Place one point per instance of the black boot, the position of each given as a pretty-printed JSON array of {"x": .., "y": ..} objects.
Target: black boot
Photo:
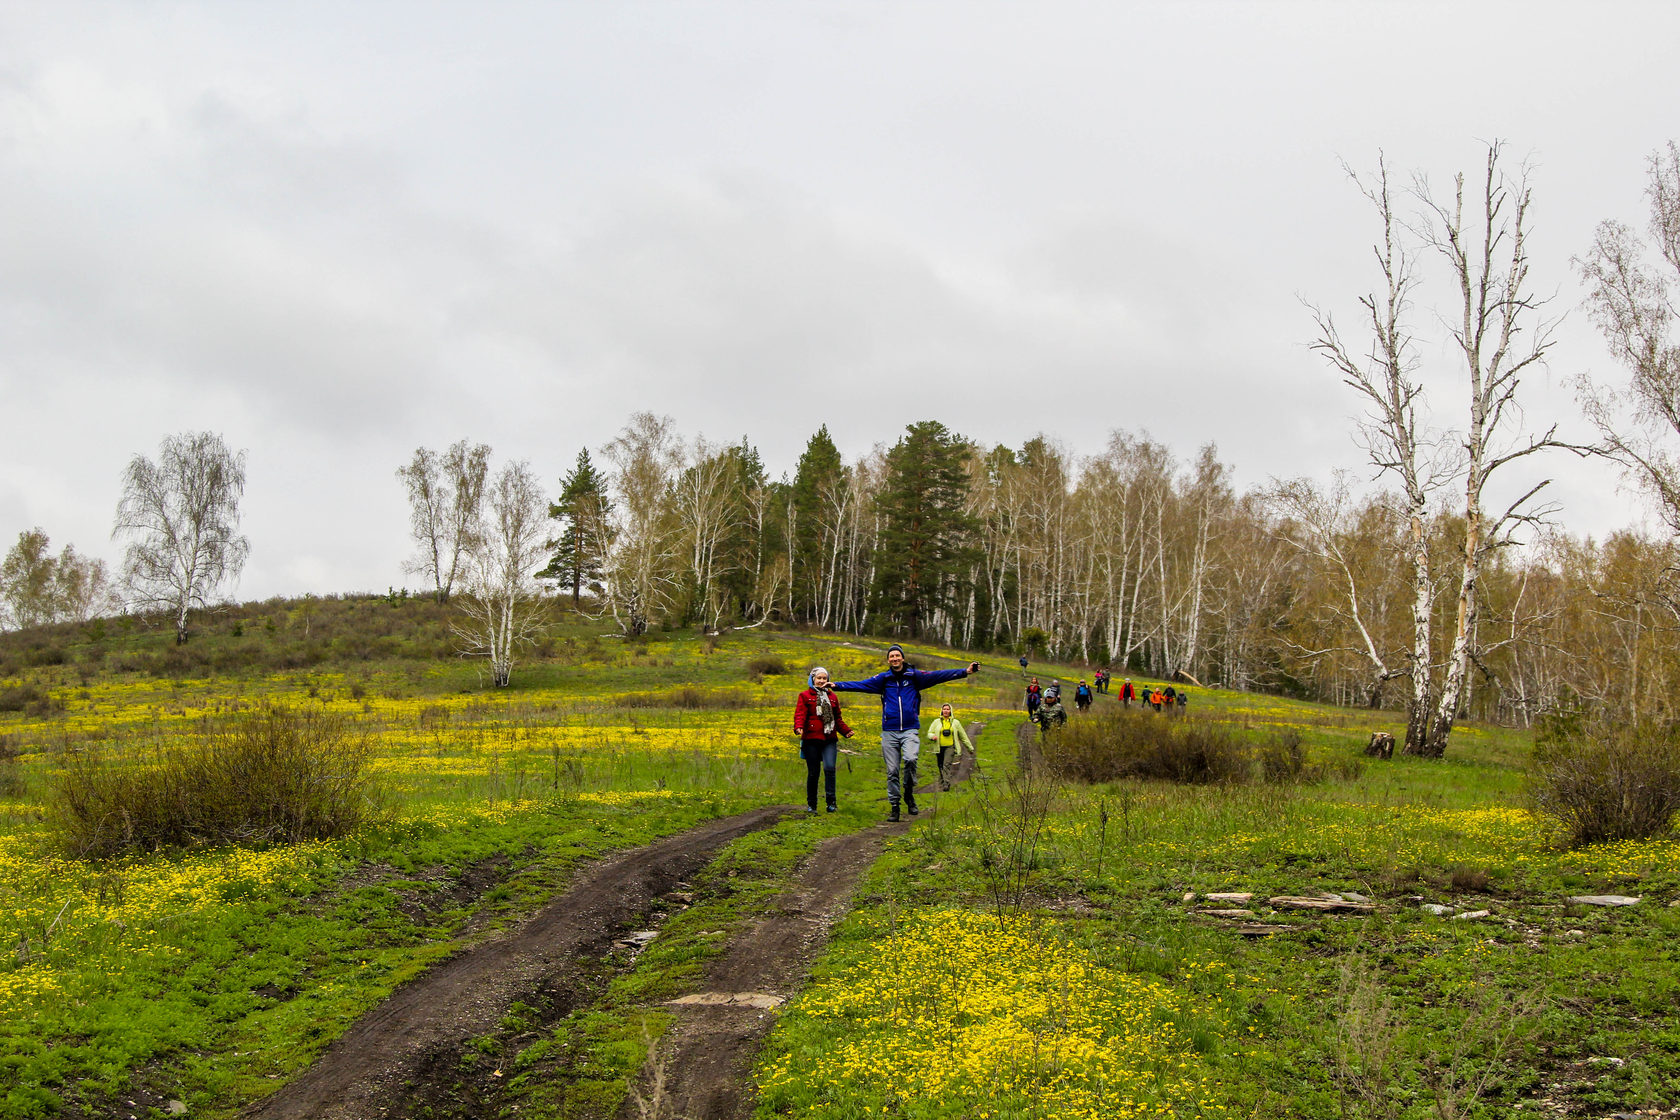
[
  {"x": 893, "y": 814},
  {"x": 910, "y": 788}
]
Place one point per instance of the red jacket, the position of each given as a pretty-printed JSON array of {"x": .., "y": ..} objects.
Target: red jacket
[{"x": 808, "y": 723}]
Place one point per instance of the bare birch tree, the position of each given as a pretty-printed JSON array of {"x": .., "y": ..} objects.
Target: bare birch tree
[
  {"x": 180, "y": 516},
  {"x": 640, "y": 567},
  {"x": 1633, "y": 303},
  {"x": 445, "y": 505},
  {"x": 502, "y": 610},
  {"x": 1500, "y": 335},
  {"x": 1397, "y": 441},
  {"x": 1319, "y": 523}
]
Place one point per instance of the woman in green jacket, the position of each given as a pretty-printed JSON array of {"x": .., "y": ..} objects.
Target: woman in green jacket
[{"x": 948, "y": 735}]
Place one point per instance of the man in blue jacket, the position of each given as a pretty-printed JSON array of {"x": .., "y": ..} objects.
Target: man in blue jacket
[{"x": 900, "y": 689}]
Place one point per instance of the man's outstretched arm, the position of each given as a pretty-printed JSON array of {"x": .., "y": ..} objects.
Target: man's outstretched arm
[
  {"x": 930, "y": 677},
  {"x": 874, "y": 684}
]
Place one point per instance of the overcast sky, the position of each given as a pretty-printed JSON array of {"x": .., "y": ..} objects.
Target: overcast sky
[{"x": 336, "y": 232}]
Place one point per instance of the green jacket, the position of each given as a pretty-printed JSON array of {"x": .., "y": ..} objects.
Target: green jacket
[{"x": 949, "y": 733}]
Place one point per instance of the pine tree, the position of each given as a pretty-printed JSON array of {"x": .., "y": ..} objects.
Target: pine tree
[
  {"x": 925, "y": 543},
  {"x": 583, "y": 510}
]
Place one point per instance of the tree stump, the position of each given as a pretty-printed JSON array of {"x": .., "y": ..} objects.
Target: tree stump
[{"x": 1380, "y": 746}]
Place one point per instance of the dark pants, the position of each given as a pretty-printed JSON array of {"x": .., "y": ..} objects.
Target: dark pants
[{"x": 819, "y": 755}]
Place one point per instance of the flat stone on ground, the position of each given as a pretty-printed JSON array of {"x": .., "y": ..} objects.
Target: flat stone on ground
[
  {"x": 762, "y": 1000},
  {"x": 1299, "y": 902},
  {"x": 1259, "y": 929},
  {"x": 1604, "y": 899},
  {"x": 1230, "y": 896}
]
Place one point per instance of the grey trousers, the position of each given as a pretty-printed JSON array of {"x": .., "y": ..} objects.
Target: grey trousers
[{"x": 899, "y": 750}]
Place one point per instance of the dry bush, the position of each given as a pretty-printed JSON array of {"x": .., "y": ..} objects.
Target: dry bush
[
  {"x": 30, "y": 699},
  {"x": 767, "y": 666},
  {"x": 687, "y": 697},
  {"x": 11, "y": 771},
  {"x": 280, "y": 776},
  {"x": 1284, "y": 760},
  {"x": 1606, "y": 781},
  {"x": 1102, "y": 748}
]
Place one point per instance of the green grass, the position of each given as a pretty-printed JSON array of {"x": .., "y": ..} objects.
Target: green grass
[{"x": 209, "y": 975}]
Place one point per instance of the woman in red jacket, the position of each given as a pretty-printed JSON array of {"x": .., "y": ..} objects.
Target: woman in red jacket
[{"x": 817, "y": 722}]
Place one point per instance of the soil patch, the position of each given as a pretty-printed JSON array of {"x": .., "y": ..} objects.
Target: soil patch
[
  {"x": 702, "y": 1066},
  {"x": 400, "y": 1056}
]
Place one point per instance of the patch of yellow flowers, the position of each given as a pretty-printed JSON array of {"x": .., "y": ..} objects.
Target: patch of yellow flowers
[{"x": 956, "y": 1008}]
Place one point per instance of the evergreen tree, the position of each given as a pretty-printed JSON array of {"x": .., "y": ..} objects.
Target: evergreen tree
[
  {"x": 583, "y": 510},
  {"x": 925, "y": 544}
]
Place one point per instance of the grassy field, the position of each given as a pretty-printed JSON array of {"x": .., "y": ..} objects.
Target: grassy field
[{"x": 1029, "y": 948}]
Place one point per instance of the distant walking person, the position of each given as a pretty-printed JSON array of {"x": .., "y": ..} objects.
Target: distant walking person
[
  {"x": 900, "y": 689},
  {"x": 949, "y": 736},
  {"x": 1082, "y": 696},
  {"x": 1035, "y": 697},
  {"x": 817, "y": 722},
  {"x": 1127, "y": 693}
]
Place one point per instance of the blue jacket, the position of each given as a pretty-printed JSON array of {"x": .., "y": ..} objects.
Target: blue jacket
[{"x": 901, "y": 694}]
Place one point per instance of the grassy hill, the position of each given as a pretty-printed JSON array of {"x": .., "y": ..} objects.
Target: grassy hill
[{"x": 1033, "y": 946}]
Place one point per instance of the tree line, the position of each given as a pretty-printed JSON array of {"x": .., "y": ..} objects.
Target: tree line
[{"x": 1412, "y": 594}]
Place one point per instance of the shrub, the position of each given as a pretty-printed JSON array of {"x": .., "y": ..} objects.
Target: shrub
[
  {"x": 687, "y": 697},
  {"x": 767, "y": 666},
  {"x": 1138, "y": 745},
  {"x": 1283, "y": 759},
  {"x": 11, "y": 773},
  {"x": 1606, "y": 782},
  {"x": 29, "y": 698},
  {"x": 280, "y": 776}
]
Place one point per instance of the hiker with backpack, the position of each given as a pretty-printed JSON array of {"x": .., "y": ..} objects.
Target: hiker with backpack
[
  {"x": 1082, "y": 696},
  {"x": 1035, "y": 696},
  {"x": 817, "y": 722},
  {"x": 900, "y": 689},
  {"x": 949, "y": 736}
]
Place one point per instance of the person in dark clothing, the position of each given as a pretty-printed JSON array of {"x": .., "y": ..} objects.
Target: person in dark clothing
[
  {"x": 1082, "y": 696},
  {"x": 1023, "y": 663},
  {"x": 1035, "y": 696},
  {"x": 1169, "y": 694},
  {"x": 817, "y": 722},
  {"x": 900, "y": 689},
  {"x": 1183, "y": 698}
]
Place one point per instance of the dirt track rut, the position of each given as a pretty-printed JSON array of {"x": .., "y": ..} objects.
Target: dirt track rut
[
  {"x": 701, "y": 1068},
  {"x": 370, "y": 1070}
]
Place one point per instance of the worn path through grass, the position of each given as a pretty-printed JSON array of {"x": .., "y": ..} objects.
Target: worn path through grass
[{"x": 391, "y": 1054}]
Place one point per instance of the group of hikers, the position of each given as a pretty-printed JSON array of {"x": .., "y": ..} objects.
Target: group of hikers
[
  {"x": 817, "y": 722},
  {"x": 1044, "y": 703}
]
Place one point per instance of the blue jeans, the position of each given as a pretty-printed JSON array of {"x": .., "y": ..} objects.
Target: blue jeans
[
  {"x": 818, "y": 754},
  {"x": 899, "y": 750}
]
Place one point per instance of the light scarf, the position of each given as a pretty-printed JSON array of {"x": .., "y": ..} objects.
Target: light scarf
[{"x": 825, "y": 709}]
